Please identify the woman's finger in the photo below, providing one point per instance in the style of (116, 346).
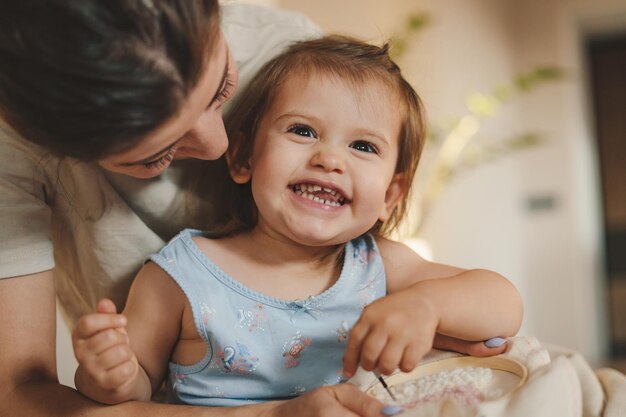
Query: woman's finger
(491, 347)
(356, 401)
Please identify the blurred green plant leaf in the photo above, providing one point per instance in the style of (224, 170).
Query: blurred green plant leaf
(530, 80)
(418, 21)
(482, 104)
(414, 24)
(478, 153)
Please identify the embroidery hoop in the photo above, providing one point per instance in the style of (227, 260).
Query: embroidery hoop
(496, 363)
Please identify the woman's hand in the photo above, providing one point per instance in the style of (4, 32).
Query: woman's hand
(342, 400)
(491, 347)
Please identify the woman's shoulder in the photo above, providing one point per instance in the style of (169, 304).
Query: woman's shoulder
(259, 17)
(17, 155)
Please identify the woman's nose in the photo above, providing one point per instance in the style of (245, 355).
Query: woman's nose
(206, 139)
(330, 158)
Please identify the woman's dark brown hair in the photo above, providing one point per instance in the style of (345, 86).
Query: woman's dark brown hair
(350, 60)
(87, 78)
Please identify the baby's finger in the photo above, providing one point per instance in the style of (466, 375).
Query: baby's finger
(390, 357)
(87, 350)
(351, 357)
(91, 324)
(106, 339)
(371, 349)
(106, 306)
(411, 357)
(119, 375)
(114, 357)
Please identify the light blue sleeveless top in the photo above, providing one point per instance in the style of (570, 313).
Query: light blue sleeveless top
(261, 348)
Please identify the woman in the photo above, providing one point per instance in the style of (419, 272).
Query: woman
(105, 105)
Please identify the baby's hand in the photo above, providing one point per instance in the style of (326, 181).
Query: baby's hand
(395, 331)
(102, 348)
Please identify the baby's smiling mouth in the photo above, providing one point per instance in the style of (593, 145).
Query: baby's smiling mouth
(320, 194)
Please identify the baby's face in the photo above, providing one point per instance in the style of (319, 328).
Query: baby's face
(324, 158)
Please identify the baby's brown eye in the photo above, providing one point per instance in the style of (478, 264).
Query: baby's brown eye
(363, 146)
(302, 130)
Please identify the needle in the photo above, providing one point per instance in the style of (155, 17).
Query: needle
(384, 384)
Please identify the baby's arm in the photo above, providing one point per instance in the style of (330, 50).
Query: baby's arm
(425, 298)
(124, 357)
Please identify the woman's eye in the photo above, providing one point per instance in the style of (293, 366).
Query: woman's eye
(163, 161)
(226, 92)
(363, 146)
(302, 130)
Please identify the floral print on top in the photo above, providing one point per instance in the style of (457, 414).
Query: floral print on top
(260, 348)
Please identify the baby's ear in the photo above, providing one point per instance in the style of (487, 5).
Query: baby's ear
(239, 171)
(240, 174)
(396, 190)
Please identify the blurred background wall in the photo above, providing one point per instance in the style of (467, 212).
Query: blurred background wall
(535, 215)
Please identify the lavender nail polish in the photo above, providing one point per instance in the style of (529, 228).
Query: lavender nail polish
(495, 342)
(391, 410)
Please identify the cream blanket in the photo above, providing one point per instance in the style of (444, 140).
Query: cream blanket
(560, 384)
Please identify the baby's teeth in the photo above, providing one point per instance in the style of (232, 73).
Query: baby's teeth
(306, 190)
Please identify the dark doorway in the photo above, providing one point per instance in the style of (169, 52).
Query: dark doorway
(607, 57)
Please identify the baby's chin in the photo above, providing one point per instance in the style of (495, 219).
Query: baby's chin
(320, 241)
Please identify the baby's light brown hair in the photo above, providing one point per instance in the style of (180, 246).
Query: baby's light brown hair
(344, 58)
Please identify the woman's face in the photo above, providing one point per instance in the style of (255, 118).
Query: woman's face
(197, 131)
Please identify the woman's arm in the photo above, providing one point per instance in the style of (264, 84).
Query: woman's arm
(426, 298)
